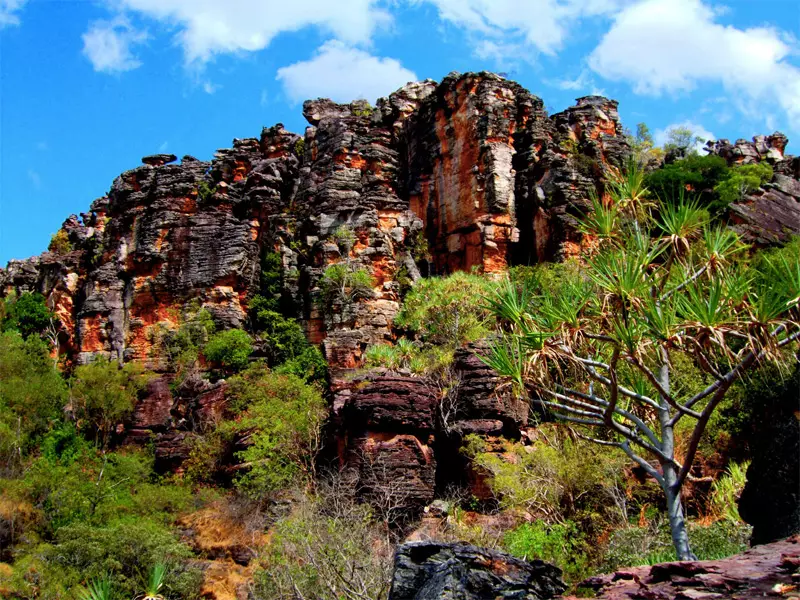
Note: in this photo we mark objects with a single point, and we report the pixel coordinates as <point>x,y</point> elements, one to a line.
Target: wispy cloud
<point>108,45</point>
<point>9,10</point>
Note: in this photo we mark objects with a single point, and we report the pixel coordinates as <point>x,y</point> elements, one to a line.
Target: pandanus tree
<point>660,287</point>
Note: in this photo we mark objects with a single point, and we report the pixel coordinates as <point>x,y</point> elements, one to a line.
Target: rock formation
<point>435,571</point>
<point>471,168</point>
<point>467,173</point>
<point>764,571</point>
<point>770,214</point>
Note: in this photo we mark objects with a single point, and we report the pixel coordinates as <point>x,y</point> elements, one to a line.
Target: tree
<point>601,349</point>
<point>103,393</point>
<point>230,349</point>
<point>683,139</point>
<point>27,313</point>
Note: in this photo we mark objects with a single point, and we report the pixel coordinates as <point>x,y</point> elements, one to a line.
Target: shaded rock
<point>435,571</point>
<point>157,160</point>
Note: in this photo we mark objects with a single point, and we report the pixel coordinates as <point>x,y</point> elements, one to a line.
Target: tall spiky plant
<point>155,582</point>
<point>599,352</point>
<point>97,589</point>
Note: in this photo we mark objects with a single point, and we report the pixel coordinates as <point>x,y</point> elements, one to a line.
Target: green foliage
<point>361,108</point>
<point>651,544</point>
<point>282,338</point>
<point>32,395</point>
<point>726,490</point>
<point>155,582</point>
<point>97,589</point>
<point>561,544</point>
<point>330,548</point>
<point>271,285</point>
<point>103,393</point>
<point>300,147</point>
<point>309,365</point>
<point>181,346</point>
<point>205,191</point>
<point>343,283</point>
<point>344,237</point>
<point>99,513</point>
<point>230,349</point>
<point>418,358</point>
<point>59,243</point>
<point>683,139</point>
<point>699,175</point>
<point>283,416</point>
<point>27,313</point>
<point>742,180</point>
<point>447,310</point>
<point>555,479</point>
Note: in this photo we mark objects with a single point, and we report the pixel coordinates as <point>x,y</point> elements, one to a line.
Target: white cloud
<point>210,88</point>
<point>9,10</point>
<point>343,73</point>
<point>674,45</point>
<point>522,26</point>
<point>209,27</point>
<point>661,136</point>
<point>107,45</point>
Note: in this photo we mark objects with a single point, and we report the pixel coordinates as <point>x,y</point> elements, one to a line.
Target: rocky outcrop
<point>469,172</point>
<point>771,214</point>
<point>764,571</point>
<point>435,571</point>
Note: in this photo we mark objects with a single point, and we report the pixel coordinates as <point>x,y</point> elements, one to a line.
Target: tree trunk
<point>672,492</point>
<point>677,521</point>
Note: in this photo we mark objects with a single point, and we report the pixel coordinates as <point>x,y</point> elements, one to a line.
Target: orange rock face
<point>471,166</point>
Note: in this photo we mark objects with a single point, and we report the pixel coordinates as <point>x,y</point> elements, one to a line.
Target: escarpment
<point>469,173</point>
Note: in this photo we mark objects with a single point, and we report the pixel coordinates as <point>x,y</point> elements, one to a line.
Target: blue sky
<point>89,87</point>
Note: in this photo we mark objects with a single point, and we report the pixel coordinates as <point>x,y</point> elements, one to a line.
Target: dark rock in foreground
<point>436,571</point>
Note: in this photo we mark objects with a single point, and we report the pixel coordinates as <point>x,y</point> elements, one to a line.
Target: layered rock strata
<point>470,172</point>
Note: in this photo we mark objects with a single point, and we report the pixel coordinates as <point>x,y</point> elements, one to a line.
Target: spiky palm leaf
<point>681,222</point>
<point>97,589</point>
<point>720,244</point>
<point>601,220</point>
<point>155,581</point>
<point>509,302</point>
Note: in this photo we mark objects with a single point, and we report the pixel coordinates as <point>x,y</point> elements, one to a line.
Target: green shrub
<point>343,283</point>
<point>103,393</point>
<point>633,546</point>
<point>59,243</point>
<point>230,349</point>
<point>555,479</point>
<point>562,544</point>
<point>309,365</point>
<point>447,310</point>
<point>27,313</point>
<point>742,180</point>
<point>283,416</point>
<point>32,394</point>
<point>698,174</point>
<point>282,338</point>
<point>726,490</point>
<point>330,548</point>
<point>205,191</point>
<point>126,549</point>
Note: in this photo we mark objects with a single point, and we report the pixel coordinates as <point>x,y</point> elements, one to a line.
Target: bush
<point>555,479</point>
<point>282,339</point>
<point>695,173</point>
<point>330,548</point>
<point>343,283</point>
<point>742,180</point>
<point>27,313</point>
<point>726,490</point>
<point>562,544</point>
<point>652,544</point>
<point>230,349</point>
<point>283,416</point>
<point>32,394</point>
<point>309,365</point>
<point>103,393</point>
<point>59,243</point>
<point>447,310</point>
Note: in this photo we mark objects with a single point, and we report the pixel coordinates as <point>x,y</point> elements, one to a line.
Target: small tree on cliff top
<point>599,350</point>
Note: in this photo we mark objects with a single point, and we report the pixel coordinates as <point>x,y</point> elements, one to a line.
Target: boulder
<point>437,571</point>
